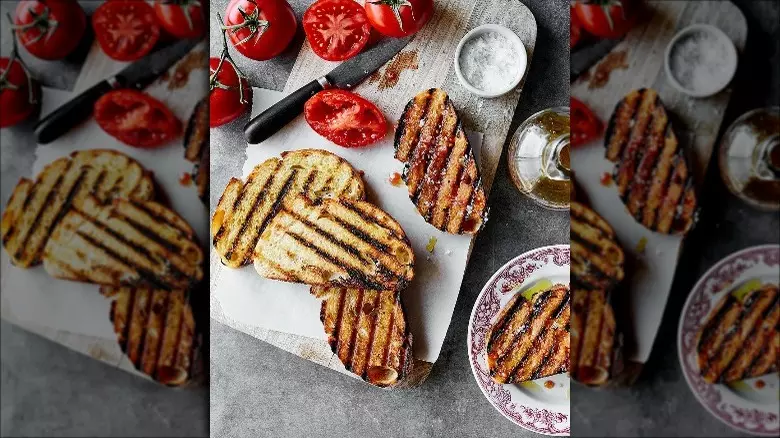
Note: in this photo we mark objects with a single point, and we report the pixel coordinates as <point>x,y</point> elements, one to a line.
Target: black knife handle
<point>283,112</point>
<point>72,113</point>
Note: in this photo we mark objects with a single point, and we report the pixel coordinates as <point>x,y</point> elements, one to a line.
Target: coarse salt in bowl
<point>490,60</point>
<point>700,61</point>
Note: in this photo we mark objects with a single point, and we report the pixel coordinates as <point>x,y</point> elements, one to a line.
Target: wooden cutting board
<point>641,300</point>
<point>426,62</point>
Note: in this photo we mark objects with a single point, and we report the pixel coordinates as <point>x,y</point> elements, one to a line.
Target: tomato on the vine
<point>345,118</point>
<point>399,18</point>
<point>126,29</point>
<point>576,30</point>
<point>49,29</point>
<point>181,18</point>
<point>606,18</point>
<point>585,126</point>
<point>136,119</point>
<point>19,93</point>
<point>336,29</point>
<point>260,29</point>
<point>227,99</point>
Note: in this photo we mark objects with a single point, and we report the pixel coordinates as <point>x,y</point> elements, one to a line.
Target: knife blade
<point>347,75</point>
<point>137,75</point>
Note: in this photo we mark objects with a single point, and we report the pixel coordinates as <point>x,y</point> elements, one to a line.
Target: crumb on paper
<point>431,245</point>
<point>606,179</point>
<point>610,63</point>
<point>395,179</point>
<point>549,384</point>
<point>185,179</point>
<point>641,245</point>
<point>448,252</point>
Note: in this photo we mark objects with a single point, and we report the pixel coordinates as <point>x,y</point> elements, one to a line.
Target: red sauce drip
<point>469,225</point>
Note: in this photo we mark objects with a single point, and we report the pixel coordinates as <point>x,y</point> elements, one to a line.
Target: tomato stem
<point>605,6</point>
<point>225,57</point>
<point>395,5</point>
<point>45,24</point>
<point>5,84</point>
<point>185,8</point>
<point>256,26</point>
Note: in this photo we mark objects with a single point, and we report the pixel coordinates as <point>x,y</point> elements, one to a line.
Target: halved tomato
<point>126,29</point>
<point>336,29</point>
<point>585,126</point>
<point>136,119</point>
<point>345,118</point>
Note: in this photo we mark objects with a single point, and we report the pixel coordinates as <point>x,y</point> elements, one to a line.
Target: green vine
<point>5,84</point>
<point>256,26</point>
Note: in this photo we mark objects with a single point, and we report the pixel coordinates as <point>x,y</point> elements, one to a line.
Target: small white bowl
<point>519,48</point>
<point>731,60</point>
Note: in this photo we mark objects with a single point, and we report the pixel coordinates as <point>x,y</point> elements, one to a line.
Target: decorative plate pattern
<point>539,410</point>
<point>757,417</point>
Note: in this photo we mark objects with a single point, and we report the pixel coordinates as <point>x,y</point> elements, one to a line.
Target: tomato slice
<point>585,126</point>
<point>336,29</point>
<point>136,119</point>
<point>345,118</point>
<point>125,29</point>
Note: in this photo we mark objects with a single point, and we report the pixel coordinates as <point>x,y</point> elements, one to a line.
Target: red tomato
<point>585,126</point>
<point>399,18</point>
<point>336,29</point>
<point>136,119</point>
<point>126,29</point>
<point>19,94</point>
<point>260,29</point>
<point>345,118</point>
<point>181,18</point>
<point>227,100</point>
<point>51,29</point>
<point>576,30</point>
<point>606,18</point>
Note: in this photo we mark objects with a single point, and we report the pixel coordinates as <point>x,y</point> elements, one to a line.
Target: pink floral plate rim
<point>536,417</point>
<point>740,414</point>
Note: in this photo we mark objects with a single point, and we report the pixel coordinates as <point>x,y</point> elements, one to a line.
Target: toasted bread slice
<point>245,209</point>
<point>597,258</point>
<point>592,337</point>
<point>740,339</point>
<point>652,174</point>
<point>530,339</point>
<point>367,330</point>
<point>36,207</point>
<point>156,330</point>
<point>441,173</point>
<point>337,243</point>
<point>196,147</point>
<point>125,243</point>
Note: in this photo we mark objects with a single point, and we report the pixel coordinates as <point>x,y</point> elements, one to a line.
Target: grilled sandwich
<point>597,258</point>
<point>196,147</point>
<point>367,330</point>
<point>441,173</point>
<point>125,243</point>
<point>652,174</point>
<point>156,330</point>
<point>740,339</point>
<point>338,243</point>
<point>246,208</point>
<point>530,338</point>
<point>593,344</point>
<point>36,207</point>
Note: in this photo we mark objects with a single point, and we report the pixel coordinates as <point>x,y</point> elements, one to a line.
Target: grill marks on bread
<point>592,337</point>
<point>597,258</point>
<point>652,175</point>
<point>530,339</point>
<point>367,330</point>
<point>740,339</point>
<point>196,147</point>
<point>37,207</point>
<point>335,243</point>
<point>129,242</point>
<point>245,209</point>
<point>441,173</point>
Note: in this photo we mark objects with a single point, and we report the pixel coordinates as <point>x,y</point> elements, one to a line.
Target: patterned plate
<point>541,406</point>
<point>751,405</point>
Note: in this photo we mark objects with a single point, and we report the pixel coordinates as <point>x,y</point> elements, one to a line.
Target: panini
<point>196,147</point>
<point>597,258</point>
<point>740,339</point>
<point>593,337</point>
<point>337,243</point>
<point>530,339</point>
<point>651,174</point>
<point>156,330</point>
<point>245,209</point>
<point>441,173</point>
<point>125,243</point>
<point>367,330</point>
<point>36,207</point>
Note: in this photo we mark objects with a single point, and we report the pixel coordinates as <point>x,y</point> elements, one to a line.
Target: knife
<point>582,59</point>
<point>137,75</point>
<point>348,74</point>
